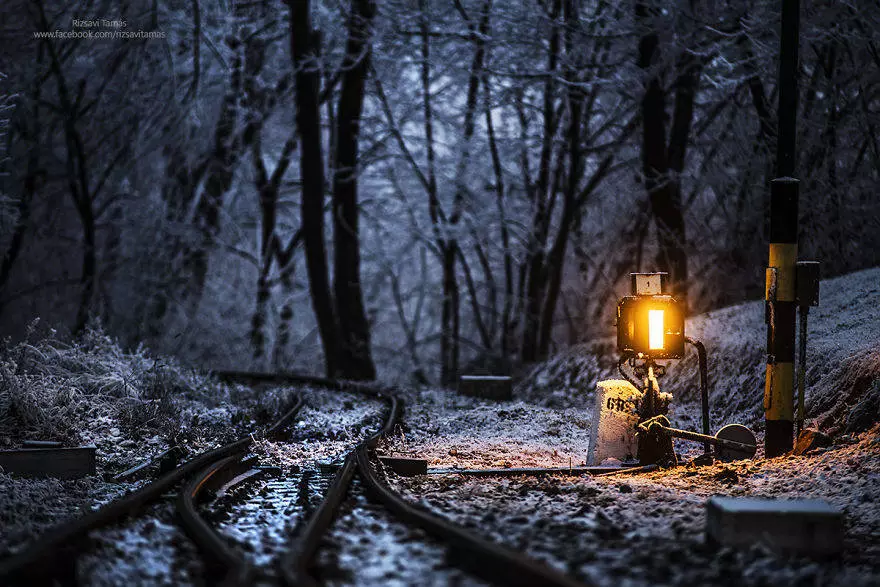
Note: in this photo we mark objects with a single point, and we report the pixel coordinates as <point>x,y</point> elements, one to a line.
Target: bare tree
<point>304,51</point>
<point>355,358</point>
<point>662,160</point>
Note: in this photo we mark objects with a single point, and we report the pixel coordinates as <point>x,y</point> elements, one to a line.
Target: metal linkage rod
<point>704,387</point>
<point>705,438</point>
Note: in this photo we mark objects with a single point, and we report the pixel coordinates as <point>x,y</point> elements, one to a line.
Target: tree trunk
<point>535,270</point>
<point>354,357</point>
<point>661,165</point>
<point>32,176</point>
<point>308,121</point>
<point>219,173</point>
<point>89,263</point>
<point>448,350</point>
<point>505,233</point>
<point>556,258</point>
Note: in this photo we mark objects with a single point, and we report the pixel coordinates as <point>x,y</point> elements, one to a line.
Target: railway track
<point>41,560</point>
<point>467,550</point>
<point>486,560</point>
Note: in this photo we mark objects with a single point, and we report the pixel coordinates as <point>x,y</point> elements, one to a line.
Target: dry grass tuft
<point>90,390</point>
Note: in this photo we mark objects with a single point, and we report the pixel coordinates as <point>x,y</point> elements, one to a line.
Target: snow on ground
<point>330,424</point>
<point>638,530</point>
<point>457,431</point>
<point>148,550</point>
<point>649,529</point>
<point>367,546</point>
<point>129,405</point>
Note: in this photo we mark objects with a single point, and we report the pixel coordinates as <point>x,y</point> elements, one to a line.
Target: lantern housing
<point>650,323</point>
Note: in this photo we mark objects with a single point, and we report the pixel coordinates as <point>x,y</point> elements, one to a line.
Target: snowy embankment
<point>645,530</point>
<point>548,422</point>
<point>843,363</point>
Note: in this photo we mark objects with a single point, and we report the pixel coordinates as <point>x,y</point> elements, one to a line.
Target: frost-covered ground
<point>636,530</point>
<point>649,529</point>
<point>131,406</point>
<point>259,517</point>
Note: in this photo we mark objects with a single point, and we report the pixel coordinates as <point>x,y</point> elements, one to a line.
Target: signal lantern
<point>650,323</point>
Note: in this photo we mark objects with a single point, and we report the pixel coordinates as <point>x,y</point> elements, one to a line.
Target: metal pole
<point>781,308</point>
<point>802,366</point>
<point>788,88</point>
<point>780,286</point>
<point>704,388</point>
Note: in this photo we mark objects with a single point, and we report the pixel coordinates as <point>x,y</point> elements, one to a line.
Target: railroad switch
<point>630,420</point>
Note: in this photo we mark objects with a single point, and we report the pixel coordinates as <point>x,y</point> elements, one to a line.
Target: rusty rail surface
<point>213,546</point>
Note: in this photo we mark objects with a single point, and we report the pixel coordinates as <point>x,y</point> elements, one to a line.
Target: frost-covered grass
<point>130,405</point>
<point>126,403</point>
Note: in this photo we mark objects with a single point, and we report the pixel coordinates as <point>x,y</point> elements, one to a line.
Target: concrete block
<point>497,387</point>
<point>406,467</point>
<point>801,526</point>
<point>64,463</point>
<point>615,418</point>
<point>40,444</point>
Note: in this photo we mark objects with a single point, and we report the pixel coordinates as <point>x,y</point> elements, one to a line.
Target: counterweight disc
<point>736,433</point>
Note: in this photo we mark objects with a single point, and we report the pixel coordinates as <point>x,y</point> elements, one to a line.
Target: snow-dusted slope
<point>843,362</point>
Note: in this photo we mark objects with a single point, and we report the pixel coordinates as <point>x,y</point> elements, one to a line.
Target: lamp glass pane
<point>655,329</point>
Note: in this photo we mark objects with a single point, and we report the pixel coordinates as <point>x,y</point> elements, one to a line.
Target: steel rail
<point>238,570</point>
<point>69,537</point>
<point>207,539</point>
<point>294,568</point>
<point>578,471</point>
<point>489,561</point>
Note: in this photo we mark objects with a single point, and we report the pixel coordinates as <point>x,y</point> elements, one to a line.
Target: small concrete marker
<point>64,463</point>
<point>405,466</point>
<point>28,443</point>
<point>802,526</point>
<point>496,387</point>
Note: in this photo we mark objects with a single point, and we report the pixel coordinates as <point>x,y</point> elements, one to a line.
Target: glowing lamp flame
<point>655,329</point>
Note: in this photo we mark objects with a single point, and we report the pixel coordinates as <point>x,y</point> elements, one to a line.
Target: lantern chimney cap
<point>649,284</point>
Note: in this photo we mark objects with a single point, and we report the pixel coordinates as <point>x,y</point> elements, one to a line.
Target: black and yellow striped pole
<point>780,290</point>
<point>781,313</point>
